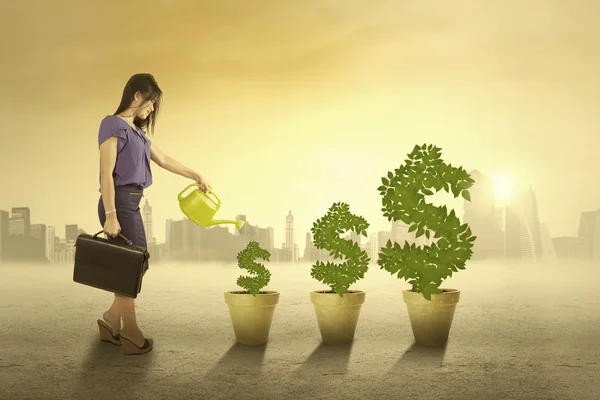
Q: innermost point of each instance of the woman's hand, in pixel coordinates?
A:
(202, 184)
(112, 226)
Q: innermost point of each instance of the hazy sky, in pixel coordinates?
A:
(296, 105)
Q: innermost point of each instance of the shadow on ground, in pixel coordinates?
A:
(327, 359)
(105, 369)
(240, 360)
(419, 357)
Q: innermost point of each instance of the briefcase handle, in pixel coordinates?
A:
(120, 235)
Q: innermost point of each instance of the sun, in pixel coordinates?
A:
(503, 186)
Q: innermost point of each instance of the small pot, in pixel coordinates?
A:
(431, 320)
(337, 315)
(251, 316)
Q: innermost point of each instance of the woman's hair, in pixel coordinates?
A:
(147, 86)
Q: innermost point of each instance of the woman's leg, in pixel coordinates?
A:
(130, 329)
(132, 227)
(113, 316)
(123, 307)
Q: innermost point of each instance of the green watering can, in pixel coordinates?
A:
(201, 208)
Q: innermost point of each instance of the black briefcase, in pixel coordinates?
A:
(116, 266)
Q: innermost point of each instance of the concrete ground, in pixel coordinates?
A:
(519, 332)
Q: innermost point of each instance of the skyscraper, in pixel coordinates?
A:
(308, 247)
(147, 219)
(400, 234)
(71, 233)
(22, 214)
(523, 240)
(480, 214)
(38, 231)
(50, 243)
(589, 229)
(373, 247)
(4, 217)
(20, 221)
(290, 248)
(168, 233)
(548, 250)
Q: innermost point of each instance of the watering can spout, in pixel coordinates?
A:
(201, 207)
(238, 223)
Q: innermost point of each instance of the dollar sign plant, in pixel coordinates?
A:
(326, 235)
(403, 198)
(262, 276)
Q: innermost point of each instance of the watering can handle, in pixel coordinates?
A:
(216, 197)
(180, 195)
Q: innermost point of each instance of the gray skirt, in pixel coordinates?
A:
(127, 203)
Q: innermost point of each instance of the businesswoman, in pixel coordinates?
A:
(125, 155)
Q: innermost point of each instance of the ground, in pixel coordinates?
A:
(519, 332)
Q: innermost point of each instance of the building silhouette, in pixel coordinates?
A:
(19, 245)
(373, 248)
(4, 221)
(50, 243)
(480, 213)
(523, 240)
(153, 248)
(312, 253)
(20, 222)
(254, 233)
(71, 233)
(589, 230)
(190, 242)
(289, 249)
(147, 220)
(584, 246)
(569, 247)
(548, 249)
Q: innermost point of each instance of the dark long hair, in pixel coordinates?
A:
(147, 86)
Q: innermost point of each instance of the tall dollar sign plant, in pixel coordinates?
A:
(403, 198)
(326, 235)
(262, 276)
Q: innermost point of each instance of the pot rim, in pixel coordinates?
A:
(449, 290)
(246, 293)
(326, 292)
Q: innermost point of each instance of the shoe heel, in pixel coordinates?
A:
(106, 333)
(130, 348)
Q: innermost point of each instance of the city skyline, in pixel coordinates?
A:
(503, 185)
(502, 214)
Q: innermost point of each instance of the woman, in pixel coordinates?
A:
(125, 154)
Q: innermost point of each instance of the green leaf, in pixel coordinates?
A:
(466, 195)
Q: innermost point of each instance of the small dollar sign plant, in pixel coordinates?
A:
(326, 232)
(403, 198)
(262, 276)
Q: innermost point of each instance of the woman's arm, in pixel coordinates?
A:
(171, 165)
(108, 159)
(174, 166)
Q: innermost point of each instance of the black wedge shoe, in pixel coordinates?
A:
(130, 348)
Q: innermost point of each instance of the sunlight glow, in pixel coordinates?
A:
(503, 186)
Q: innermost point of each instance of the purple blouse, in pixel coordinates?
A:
(133, 152)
